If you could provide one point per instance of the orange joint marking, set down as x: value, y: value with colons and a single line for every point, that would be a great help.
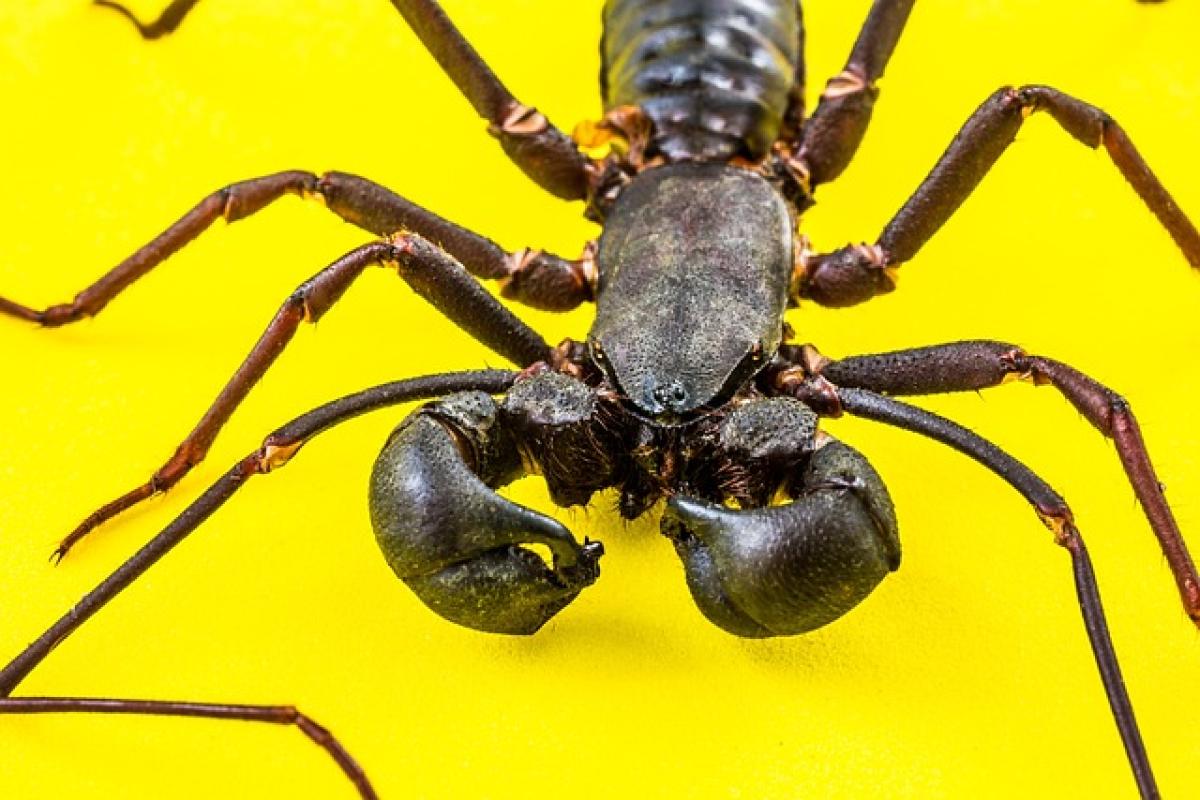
x: 812, y: 361
x: 593, y: 135
x: 788, y: 379
x: 314, y: 193
x: 518, y: 260
x: 276, y: 455
x: 306, y: 312
x: 892, y: 276
x: 1013, y: 361
x: 522, y: 120
x: 820, y: 439
x: 802, y: 252
x: 797, y: 167
x: 877, y: 257
x: 588, y: 267
x: 873, y: 254
x: 401, y: 240
x: 1060, y: 524
x: 848, y: 81
x: 626, y: 130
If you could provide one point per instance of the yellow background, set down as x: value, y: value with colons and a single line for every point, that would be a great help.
x: 966, y: 674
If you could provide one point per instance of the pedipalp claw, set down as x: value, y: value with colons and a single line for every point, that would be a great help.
x: 456, y: 543
x: 789, y: 569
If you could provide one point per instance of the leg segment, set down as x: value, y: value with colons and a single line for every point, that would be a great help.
x: 541, y: 150
x: 832, y: 134
x: 969, y: 366
x: 857, y: 273
x: 427, y: 269
x: 1057, y: 516
x: 166, y: 23
x: 530, y: 276
x: 277, y: 449
x: 278, y: 715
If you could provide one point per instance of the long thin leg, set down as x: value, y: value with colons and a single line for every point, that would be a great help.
x: 277, y: 449
x: 166, y: 23
x: 1057, y: 516
x: 529, y: 276
x: 858, y: 272
x: 541, y: 150
x: 832, y: 134
x: 969, y: 366
x: 278, y: 715
x: 427, y: 269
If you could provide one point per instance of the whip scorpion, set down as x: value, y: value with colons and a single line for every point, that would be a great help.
x: 690, y: 390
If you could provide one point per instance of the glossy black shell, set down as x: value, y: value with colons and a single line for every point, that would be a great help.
x: 713, y: 75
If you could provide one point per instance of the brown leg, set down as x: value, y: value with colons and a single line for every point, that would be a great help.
x: 541, y: 150
x: 1057, y: 516
x: 278, y: 715
x: 532, y: 277
x: 830, y: 137
x: 858, y: 272
x: 427, y: 269
x: 277, y: 449
x: 969, y: 366
x: 166, y: 23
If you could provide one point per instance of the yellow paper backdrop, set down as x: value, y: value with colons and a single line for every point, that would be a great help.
x: 966, y: 674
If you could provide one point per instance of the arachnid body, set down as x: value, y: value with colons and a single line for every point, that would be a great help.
x: 862, y: 438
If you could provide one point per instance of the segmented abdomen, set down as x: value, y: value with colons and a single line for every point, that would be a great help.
x: 712, y: 75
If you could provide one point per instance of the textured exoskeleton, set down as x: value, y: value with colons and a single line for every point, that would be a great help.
x: 453, y: 540
x: 790, y: 569
x: 685, y: 394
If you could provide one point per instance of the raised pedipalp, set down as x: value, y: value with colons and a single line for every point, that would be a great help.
x: 454, y: 541
x: 787, y: 569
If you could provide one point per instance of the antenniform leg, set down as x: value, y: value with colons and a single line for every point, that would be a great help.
x: 170, y: 19
x: 278, y: 715
x: 859, y: 272
x: 450, y: 537
x: 541, y: 150
x: 276, y: 450
x: 969, y: 366
x: 787, y: 569
x: 528, y: 276
x: 1057, y: 516
x: 432, y: 273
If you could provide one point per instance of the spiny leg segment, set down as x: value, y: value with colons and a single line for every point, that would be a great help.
x: 1057, y: 516
x: 277, y: 715
x: 276, y: 450
x: 831, y: 136
x: 974, y: 365
x: 1050, y: 507
x: 530, y: 276
x: 537, y: 147
x: 856, y: 273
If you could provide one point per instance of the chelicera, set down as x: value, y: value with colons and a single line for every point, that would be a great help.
x: 686, y: 390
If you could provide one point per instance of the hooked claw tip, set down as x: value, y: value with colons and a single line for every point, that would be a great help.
x: 682, y: 508
x: 591, y: 550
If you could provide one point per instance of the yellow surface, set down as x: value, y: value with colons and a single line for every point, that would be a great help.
x: 966, y: 674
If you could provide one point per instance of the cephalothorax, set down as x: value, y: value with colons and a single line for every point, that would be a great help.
x: 686, y: 389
